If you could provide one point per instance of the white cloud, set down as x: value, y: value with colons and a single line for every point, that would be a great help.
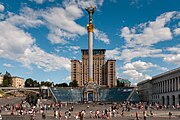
x: 113, y: 54
x: 101, y: 36
x: 62, y: 25
x: 39, y: 1
x: 74, y: 47
x: 45, y: 61
x: 42, y: 1
x: 138, y: 70
x: 83, y: 3
x: 135, y: 75
x: 19, y: 46
x: 129, y: 54
x: 7, y: 65
x: 1, y: 8
x: 13, y: 41
x: 175, y: 49
x: 139, y: 65
x: 173, y: 59
x: 177, y: 31
x: 150, y: 33
x: 27, y: 18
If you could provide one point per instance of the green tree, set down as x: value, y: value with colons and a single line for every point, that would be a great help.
x: 7, y: 80
x: 46, y: 83
x: 61, y: 85
x: 29, y: 82
x: 120, y: 84
x: 74, y: 83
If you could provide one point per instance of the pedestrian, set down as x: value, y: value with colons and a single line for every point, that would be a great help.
x: 137, y: 115
x: 145, y: 114
x: 0, y: 115
x: 151, y: 113
x: 59, y: 114
x: 170, y: 114
x: 43, y: 115
x: 90, y: 113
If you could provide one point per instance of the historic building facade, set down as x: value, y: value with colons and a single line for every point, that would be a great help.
x: 104, y: 72
x: 163, y: 88
x: 18, y: 82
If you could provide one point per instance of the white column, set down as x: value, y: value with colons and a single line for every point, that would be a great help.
x: 90, y: 53
x: 172, y: 85
x: 168, y: 85
x: 178, y: 83
x: 175, y: 84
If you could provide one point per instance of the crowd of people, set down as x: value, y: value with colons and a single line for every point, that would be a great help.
x: 67, y: 111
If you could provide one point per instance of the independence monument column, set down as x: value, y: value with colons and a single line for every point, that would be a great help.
x: 90, y: 29
x: 90, y: 91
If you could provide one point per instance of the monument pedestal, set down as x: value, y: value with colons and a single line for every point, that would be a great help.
x: 90, y: 92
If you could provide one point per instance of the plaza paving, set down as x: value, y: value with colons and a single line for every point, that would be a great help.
x: 158, y: 114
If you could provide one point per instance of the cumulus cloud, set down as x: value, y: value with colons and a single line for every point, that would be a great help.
x: 138, y: 70
x: 45, y: 61
x: 27, y: 18
x: 1, y: 8
x: 139, y: 65
x: 136, y: 76
x: 39, y: 1
x: 62, y: 25
x: 7, y: 65
x: 173, y: 59
x: 74, y: 47
x: 113, y: 54
x: 99, y: 35
x: 177, y: 31
x: 19, y: 46
x: 84, y: 3
x: 150, y: 33
x: 175, y: 49
x: 128, y: 54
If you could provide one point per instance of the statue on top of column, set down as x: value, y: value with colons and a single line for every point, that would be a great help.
x: 90, y: 10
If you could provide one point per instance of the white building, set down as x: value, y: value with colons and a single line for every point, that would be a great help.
x: 18, y: 82
x: 165, y: 88
x: 1, y: 79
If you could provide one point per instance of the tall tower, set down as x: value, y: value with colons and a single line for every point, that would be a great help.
x: 90, y: 29
x: 90, y: 91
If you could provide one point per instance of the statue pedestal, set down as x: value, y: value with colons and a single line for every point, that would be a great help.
x: 90, y: 92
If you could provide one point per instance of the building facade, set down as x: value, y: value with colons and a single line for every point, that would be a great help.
x: 104, y: 72
x: 145, y: 91
x: 1, y: 79
x: 165, y: 88
x: 18, y: 82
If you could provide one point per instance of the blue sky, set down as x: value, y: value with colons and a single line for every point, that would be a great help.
x: 38, y: 38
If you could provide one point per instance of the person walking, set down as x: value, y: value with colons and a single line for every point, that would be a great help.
x: 145, y: 114
x: 137, y: 115
x: 170, y: 114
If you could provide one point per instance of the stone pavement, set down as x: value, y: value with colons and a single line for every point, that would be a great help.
x: 158, y: 114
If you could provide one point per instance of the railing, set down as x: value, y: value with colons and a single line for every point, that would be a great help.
x: 53, y: 94
x: 132, y: 92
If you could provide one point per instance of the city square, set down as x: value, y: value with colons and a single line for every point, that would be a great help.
x: 129, y: 67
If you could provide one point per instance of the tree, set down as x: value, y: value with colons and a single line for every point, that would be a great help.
x: 31, y: 83
x: 46, y: 83
x: 74, y: 83
x: 7, y: 80
x: 61, y: 85
x: 120, y: 84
